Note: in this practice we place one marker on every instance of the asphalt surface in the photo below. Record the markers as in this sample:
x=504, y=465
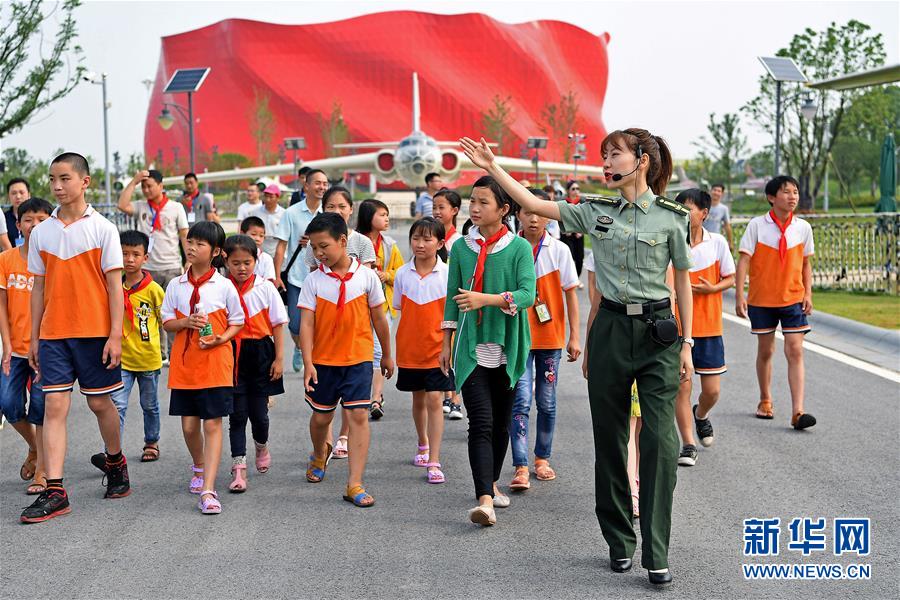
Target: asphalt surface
x=288, y=538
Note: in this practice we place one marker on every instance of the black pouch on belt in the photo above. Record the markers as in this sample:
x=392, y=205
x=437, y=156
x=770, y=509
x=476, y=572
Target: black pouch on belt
x=663, y=331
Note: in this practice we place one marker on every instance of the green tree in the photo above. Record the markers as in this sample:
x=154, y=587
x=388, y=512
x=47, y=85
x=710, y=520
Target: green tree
x=496, y=122
x=559, y=120
x=31, y=82
x=262, y=126
x=723, y=144
x=334, y=129
x=835, y=51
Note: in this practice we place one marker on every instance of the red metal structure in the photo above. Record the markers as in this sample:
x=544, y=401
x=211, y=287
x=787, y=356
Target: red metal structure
x=365, y=64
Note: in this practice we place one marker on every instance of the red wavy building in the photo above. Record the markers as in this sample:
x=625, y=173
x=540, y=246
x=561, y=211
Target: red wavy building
x=365, y=64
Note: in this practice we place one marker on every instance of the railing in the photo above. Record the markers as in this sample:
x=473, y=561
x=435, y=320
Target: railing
x=859, y=252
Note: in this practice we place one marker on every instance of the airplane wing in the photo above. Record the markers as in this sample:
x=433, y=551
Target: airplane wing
x=334, y=167
x=524, y=165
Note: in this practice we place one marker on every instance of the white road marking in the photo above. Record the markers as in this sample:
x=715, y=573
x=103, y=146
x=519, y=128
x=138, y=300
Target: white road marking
x=829, y=353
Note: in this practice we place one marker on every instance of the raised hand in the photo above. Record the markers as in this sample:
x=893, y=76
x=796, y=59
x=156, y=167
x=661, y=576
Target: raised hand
x=479, y=153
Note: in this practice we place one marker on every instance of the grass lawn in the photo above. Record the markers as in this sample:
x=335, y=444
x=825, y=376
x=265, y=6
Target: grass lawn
x=881, y=310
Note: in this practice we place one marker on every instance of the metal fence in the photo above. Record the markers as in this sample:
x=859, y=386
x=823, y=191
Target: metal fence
x=857, y=252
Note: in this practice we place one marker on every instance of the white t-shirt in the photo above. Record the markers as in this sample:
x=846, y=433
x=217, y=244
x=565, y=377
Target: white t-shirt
x=265, y=266
x=271, y=221
x=165, y=241
x=246, y=209
x=359, y=247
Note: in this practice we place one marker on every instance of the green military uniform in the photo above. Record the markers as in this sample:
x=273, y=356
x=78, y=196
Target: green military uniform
x=633, y=244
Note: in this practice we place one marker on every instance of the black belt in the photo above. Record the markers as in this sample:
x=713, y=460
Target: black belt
x=645, y=308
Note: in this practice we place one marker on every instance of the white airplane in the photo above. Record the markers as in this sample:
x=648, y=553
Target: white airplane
x=408, y=160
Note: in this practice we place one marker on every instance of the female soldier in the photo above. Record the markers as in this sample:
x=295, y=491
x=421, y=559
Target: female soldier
x=633, y=337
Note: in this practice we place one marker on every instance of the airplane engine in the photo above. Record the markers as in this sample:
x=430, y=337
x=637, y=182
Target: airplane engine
x=385, y=166
x=450, y=163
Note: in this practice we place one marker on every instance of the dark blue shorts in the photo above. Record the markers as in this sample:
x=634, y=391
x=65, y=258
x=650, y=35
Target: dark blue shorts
x=14, y=393
x=709, y=355
x=765, y=319
x=351, y=385
x=65, y=361
x=430, y=380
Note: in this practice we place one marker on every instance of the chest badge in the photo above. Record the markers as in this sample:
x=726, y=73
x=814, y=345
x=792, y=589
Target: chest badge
x=604, y=220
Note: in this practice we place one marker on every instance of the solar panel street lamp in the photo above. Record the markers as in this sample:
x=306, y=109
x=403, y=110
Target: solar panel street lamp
x=783, y=69
x=101, y=81
x=537, y=144
x=183, y=81
x=295, y=144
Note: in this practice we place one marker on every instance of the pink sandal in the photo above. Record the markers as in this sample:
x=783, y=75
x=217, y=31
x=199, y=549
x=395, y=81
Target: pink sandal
x=211, y=504
x=340, y=447
x=239, y=484
x=196, y=480
x=436, y=475
x=263, y=458
x=421, y=460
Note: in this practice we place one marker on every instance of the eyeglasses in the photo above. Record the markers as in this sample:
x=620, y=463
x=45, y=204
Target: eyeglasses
x=574, y=188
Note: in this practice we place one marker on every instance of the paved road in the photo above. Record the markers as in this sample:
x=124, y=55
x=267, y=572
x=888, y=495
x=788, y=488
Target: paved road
x=288, y=538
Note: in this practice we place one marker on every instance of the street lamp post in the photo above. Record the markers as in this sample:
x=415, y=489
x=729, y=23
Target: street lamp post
x=92, y=78
x=184, y=81
x=578, y=144
x=166, y=120
x=537, y=144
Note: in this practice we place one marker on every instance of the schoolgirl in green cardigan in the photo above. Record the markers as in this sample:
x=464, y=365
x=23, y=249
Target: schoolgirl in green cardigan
x=491, y=280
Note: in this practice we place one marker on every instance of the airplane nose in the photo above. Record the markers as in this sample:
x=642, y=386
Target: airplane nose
x=419, y=168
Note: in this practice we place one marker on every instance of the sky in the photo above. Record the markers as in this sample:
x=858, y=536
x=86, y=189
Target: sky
x=699, y=57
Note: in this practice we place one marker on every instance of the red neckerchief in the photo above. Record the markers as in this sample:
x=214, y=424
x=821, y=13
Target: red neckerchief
x=129, y=308
x=195, y=296
x=241, y=290
x=450, y=233
x=191, y=198
x=782, y=243
x=378, y=244
x=478, y=276
x=342, y=294
x=157, y=213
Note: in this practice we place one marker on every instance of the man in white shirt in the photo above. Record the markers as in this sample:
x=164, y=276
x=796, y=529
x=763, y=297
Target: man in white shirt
x=270, y=212
x=249, y=207
x=719, y=217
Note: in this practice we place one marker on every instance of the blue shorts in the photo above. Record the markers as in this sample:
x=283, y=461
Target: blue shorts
x=765, y=319
x=351, y=385
x=14, y=393
x=709, y=355
x=65, y=361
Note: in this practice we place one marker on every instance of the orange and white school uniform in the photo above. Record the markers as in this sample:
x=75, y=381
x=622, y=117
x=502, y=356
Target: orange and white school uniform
x=420, y=301
x=74, y=259
x=713, y=262
x=254, y=346
x=343, y=344
x=777, y=251
x=201, y=380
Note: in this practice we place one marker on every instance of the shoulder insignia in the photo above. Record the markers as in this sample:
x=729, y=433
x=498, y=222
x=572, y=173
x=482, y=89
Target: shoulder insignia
x=606, y=200
x=676, y=207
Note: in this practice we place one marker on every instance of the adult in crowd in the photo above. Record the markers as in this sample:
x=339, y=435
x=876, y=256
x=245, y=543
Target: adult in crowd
x=199, y=207
x=271, y=214
x=300, y=195
x=289, y=271
x=574, y=239
x=253, y=202
x=719, y=217
x=17, y=192
x=164, y=222
x=425, y=201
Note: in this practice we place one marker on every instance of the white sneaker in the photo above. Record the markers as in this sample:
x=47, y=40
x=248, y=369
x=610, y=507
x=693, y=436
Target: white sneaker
x=455, y=412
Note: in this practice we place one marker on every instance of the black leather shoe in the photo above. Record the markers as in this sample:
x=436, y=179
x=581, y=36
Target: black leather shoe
x=660, y=579
x=620, y=565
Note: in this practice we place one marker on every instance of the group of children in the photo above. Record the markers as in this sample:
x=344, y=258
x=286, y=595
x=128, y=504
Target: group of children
x=487, y=312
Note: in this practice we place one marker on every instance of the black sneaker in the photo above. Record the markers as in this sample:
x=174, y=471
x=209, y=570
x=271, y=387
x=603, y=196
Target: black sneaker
x=447, y=404
x=117, y=484
x=455, y=412
x=688, y=456
x=99, y=461
x=704, y=430
x=376, y=411
x=53, y=502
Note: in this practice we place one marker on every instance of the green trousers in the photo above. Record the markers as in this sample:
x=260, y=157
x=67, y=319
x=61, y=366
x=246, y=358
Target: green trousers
x=621, y=352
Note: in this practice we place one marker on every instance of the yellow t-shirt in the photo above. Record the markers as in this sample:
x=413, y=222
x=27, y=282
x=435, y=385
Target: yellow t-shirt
x=140, y=337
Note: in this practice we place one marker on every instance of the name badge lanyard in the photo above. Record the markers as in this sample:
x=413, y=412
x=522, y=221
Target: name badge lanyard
x=536, y=253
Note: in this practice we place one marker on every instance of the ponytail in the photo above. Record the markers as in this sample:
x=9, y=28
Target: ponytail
x=663, y=173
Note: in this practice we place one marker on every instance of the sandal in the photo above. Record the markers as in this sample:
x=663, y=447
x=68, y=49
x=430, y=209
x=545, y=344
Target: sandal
x=263, y=458
x=435, y=475
x=211, y=504
x=357, y=494
x=420, y=459
x=635, y=506
x=543, y=471
x=197, y=480
x=520, y=481
x=340, y=448
x=26, y=471
x=38, y=485
x=315, y=471
x=376, y=411
x=802, y=421
x=483, y=515
x=238, y=485
x=764, y=410
x=150, y=452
